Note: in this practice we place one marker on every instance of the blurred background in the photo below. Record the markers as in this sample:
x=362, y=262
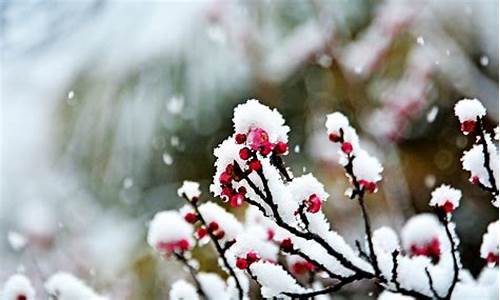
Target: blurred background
x=108, y=105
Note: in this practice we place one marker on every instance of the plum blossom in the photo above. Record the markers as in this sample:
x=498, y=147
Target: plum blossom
x=421, y=236
x=467, y=111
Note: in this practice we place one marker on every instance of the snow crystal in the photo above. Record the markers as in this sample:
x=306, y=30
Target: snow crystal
x=432, y=114
x=443, y=194
x=168, y=227
x=167, y=158
x=65, y=286
x=182, y=290
x=189, y=188
x=16, y=286
x=253, y=114
x=469, y=110
x=484, y=60
x=16, y=240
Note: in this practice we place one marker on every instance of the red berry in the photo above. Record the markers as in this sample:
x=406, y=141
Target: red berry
x=240, y=138
x=313, y=204
x=252, y=257
x=191, y=217
x=334, y=137
x=281, y=148
x=346, y=147
x=236, y=200
x=468, y=126
x=245, y=153
x=225, y=178
x=255, y=165
x=448, y=207
x=219, y=234
x=183, y=244
x=241, y=263
x=213, y=226
x=286, y=245
x=201, y=232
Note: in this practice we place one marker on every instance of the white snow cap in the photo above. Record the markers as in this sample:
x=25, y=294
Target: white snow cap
x=17, y=286
x=168, y=227
x=253, y=114
x=182, y=290
x=274, y=279
x=420, y=230
x=443, y=194
x=366, y=167
x=189, y=188
x=490, y=241
x=65, y=286
x=212, y=212
x=469, y=110
x=385, y=239
x=306, y=185
x=336, y=121
x=473, y=161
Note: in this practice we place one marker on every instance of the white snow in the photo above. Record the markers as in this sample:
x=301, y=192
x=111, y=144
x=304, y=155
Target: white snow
x=469, y=110
x=18, y=285
x=189, y=188
x=65, y=286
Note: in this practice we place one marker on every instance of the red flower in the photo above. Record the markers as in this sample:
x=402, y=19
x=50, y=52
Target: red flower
x=257, y=138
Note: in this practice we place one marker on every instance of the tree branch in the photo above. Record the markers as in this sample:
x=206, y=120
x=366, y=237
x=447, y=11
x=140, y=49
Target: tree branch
x=181, y=258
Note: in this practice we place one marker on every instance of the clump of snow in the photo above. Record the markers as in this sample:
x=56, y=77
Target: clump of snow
x=385, y=239
x=473, y=161
x=306, y=185
x=189, y=188
x=469, y=110
x=253, y=114
x=366, y=167
x=65, y=286
x=274, y=279
x=489, y=247
x=420, y=230
x=336, y=121
x=212, y=212
x=386, y=295
x=17, y=287
x=168, y=228
x=213, y=286
x=182, y=290
x=444, y=196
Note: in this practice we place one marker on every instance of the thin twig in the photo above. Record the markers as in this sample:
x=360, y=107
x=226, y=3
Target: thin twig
x=192, y=271
x=431, y=284
x=486, y=154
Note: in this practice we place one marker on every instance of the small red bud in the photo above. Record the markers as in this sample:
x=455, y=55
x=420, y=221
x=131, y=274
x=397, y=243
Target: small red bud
x=492, y=258
x=270, y=234
x=227, y=192
x=468, y=126
x=286, y=245
x=252, y=257
x=266, y=149
x=183, y=244
x=213, y=226
x=241, y=263
x=225, y=178
x=201, y=232
x=255, y=165
x=245, y=153
x=191, y=217
x=236, y=200
x=474, y=180
x=334, y=137
x=346, y=147
x=448, y=207
x=281, y=148
x=219, y=234
x=240, y=138
x=21, y=297
x=313, y=204
x=242, y=190
x=369, y=186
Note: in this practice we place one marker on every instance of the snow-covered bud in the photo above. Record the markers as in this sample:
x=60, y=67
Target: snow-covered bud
x=489, y=247
x=168, y=232
x=446, y=198
x=245, y=153
x=191, y=217
x=281, y=148
x=228, y=225
x=367, y=170
x=421, y=236
x=257, y=139
x=240, y=138
x=65, y=286
x=473, y=161
x=467, y=111
x=18, y=287
x=313, y=204
x=225, y=178
x=252, y=257
x=201, y=232
x=298, y=265
x=334, y=123
x=189, y=189
x=182, y=290
x=241, y=263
